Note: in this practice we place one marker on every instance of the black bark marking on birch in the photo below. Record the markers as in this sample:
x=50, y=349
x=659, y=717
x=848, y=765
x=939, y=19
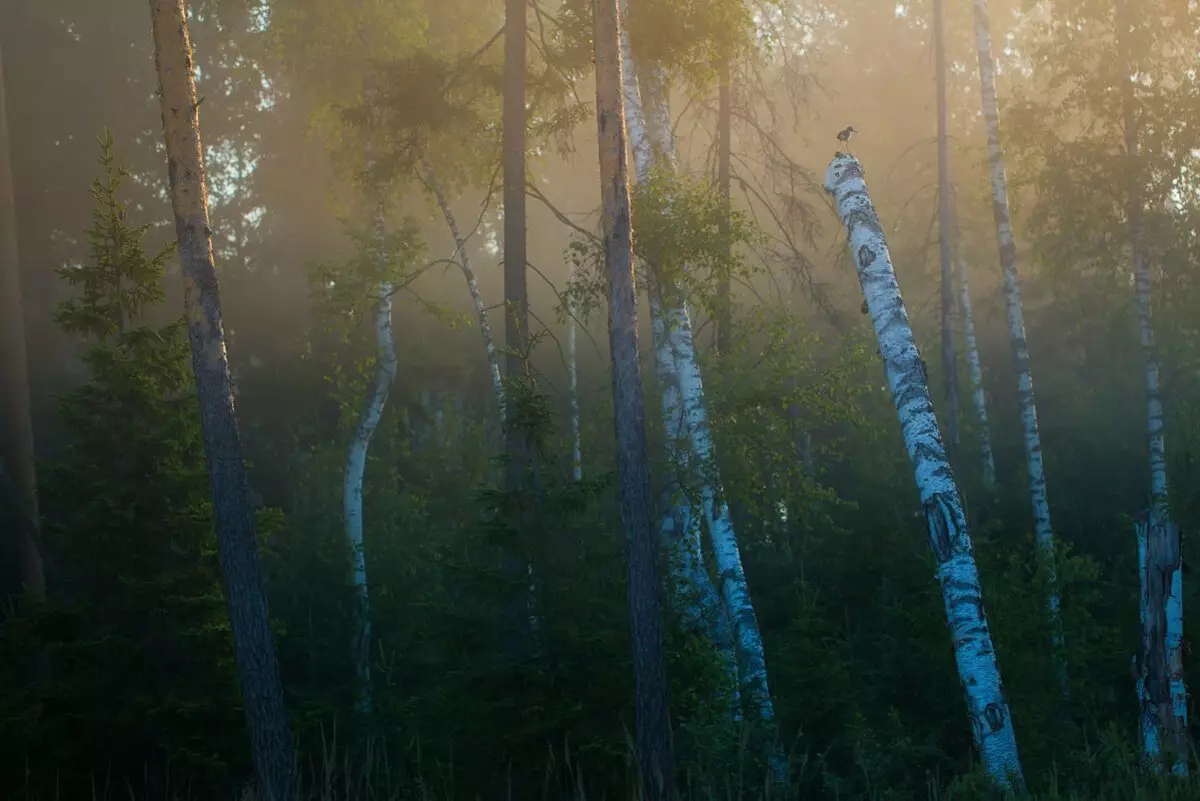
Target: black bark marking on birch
x=866, y=257
x=994, y=715
x=942, y=533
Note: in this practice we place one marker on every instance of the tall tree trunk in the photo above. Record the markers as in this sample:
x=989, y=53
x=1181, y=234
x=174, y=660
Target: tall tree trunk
x=573, y=385
x=237, y=550
x=516, y=315
x=724, y=155
x=16, y=430
x=356, y=465
x=949, y=363
x=695, y=595
x=1042, y=530
x=463, y=260
x=652, y=121
x=653, y=726
x=978, y=671
x=516, y=301
x=1162, y=694
x=978, y=398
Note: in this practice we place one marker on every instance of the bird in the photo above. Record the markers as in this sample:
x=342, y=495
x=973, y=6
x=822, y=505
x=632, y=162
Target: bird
x=845, y=134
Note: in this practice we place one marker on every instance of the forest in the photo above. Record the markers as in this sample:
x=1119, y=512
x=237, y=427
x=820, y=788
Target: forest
x=598, y=399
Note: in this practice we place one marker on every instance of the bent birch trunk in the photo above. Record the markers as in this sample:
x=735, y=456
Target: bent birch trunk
x=352, y=487
x=237, y=549
x=1042, y=531
x=978, y=670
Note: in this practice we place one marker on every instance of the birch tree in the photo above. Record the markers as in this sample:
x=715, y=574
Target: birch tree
x=1162, y=694
x=237, y=550
x=949, y=538
x=644, y=85
x=1042, y=531
x=653, y=724
x=16, y=430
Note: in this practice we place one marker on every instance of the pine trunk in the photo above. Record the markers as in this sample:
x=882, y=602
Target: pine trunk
x=949, y=362
x=237, y=550
x=16, y=429
x=653, y=724
x=1042, y=530
x=978, y=670
x=573, y=386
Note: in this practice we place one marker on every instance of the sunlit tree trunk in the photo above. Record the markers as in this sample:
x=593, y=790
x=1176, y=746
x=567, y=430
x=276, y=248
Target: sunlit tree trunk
x=653, y=725
x=1042, y=530
x=16, y=430
x=237, y=550
x=1162, y=694
x=462, y=258
x=949, y=362
x=978, y=671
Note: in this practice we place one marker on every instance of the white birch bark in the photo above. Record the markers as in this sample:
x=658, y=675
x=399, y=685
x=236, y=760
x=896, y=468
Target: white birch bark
x=356, y=464
x=1158, y=541
x=461, y=258
x=974, y=368
x=978, y=670
x=651, y=115
x=1042, y=530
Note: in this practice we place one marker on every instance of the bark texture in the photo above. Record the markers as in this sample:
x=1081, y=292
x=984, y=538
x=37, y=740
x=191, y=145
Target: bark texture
x=16, y=430
x=1162, y=692
x=978, y=670
x=653, y=726
x=1042, y=530
x=241, y=575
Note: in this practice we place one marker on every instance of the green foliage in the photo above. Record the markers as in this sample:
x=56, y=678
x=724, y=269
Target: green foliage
x=128, y=672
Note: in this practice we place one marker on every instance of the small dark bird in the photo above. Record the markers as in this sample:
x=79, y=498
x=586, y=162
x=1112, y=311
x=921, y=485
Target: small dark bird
x=865, y=310
x=845, y=134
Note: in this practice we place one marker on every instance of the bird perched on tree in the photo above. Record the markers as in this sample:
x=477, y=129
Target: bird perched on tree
x=845, y=134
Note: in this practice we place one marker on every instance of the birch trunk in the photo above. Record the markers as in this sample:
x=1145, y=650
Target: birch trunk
x=16, y=430
x=978, y=670
x=974, y=368
x=464, y=264
x=949, y=362
x=352, y=486
x=1042, y=530
x=646, y=89
x=695, y=595
x=653, y=724
x=1161, y=689
x=237, y=550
